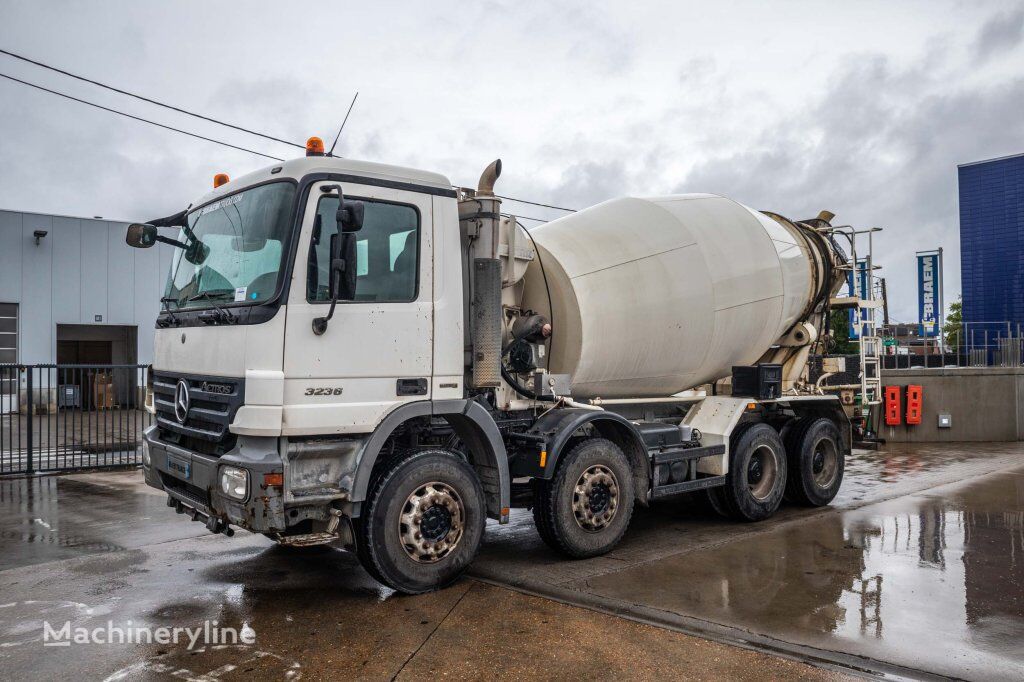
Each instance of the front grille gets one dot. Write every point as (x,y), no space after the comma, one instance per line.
(191,494)
(213,402)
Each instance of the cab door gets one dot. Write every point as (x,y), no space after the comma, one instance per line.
(377,350)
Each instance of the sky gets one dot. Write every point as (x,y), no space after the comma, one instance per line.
(862,108)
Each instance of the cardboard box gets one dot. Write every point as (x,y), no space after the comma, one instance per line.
(103,391)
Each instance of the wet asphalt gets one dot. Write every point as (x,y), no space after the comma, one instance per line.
(916,570)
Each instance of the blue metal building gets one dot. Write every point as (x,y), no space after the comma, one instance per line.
(992,244)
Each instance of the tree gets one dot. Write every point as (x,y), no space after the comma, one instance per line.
(954,328)
(841,342)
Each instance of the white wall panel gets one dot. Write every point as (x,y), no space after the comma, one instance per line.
(94,271)
(149,278)
(67,270)
(120,276)
(37,331)
(10,256)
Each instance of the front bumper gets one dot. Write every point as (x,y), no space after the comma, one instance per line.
(194,480)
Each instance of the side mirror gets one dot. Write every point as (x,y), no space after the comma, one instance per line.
(343,254)
(141,235)
(350,216)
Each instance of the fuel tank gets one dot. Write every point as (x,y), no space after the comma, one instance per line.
(652,296)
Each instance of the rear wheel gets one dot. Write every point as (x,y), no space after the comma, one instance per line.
(423,522)
(816,461)
(757,473)
(585,509)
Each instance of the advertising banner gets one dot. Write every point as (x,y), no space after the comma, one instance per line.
(929,292)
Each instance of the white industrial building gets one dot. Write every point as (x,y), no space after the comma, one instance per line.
(72,291)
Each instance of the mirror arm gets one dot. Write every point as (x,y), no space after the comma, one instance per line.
(320,323)
(172,242)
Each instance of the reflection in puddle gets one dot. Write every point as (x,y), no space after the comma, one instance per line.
(935,581)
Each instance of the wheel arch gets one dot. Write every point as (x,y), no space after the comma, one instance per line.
(558,427)
(472,424)
(830,408)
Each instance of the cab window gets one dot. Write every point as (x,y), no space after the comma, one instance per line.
(386,252)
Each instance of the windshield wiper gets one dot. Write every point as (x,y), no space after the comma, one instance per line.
(218,314)
(172,318)
(209,294)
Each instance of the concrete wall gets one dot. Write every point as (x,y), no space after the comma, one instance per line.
(80,271)
(986,404)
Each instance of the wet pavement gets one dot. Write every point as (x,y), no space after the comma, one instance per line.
(97,549)
(916,570)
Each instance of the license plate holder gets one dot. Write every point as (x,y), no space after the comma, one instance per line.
(179,467)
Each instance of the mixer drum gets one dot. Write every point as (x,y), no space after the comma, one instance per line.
(652,296)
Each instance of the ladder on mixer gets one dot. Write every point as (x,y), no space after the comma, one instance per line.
(870,352)
(865,318)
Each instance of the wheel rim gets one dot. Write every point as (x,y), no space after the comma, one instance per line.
(762,472)
(432,522)
(825,463)
(595,499)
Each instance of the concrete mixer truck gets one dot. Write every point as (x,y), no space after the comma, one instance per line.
(361,355)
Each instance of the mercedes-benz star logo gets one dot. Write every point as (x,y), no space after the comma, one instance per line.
(181,401)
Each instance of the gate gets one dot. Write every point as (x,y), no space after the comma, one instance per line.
(71,417)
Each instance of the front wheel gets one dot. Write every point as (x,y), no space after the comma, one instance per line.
(423,522)
(585,509)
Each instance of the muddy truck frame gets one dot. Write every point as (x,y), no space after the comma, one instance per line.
(363,355)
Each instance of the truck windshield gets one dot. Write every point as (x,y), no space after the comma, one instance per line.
(236,247)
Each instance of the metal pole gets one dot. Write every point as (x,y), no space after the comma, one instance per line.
(31,419)
(942,299)
(885,304)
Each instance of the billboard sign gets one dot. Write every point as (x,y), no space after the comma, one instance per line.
(929,292)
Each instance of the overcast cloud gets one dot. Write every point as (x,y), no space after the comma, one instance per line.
(862,108)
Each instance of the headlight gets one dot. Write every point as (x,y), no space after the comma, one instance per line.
(145,454)
(234,482)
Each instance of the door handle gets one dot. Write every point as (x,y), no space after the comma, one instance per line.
(411,387)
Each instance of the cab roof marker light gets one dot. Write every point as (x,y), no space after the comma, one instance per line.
(314,146)
(220,179)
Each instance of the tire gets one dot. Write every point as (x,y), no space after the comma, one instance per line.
(816,462)
(715,502)
(422,523)
(582,524)
(757,473)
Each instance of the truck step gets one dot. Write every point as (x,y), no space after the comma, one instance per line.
(687,486)
(677,454)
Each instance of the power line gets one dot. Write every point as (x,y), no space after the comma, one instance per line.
(534,203)
(525,217)
(136,118)
(150,101)
(202,117)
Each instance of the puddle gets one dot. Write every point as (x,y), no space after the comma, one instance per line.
(933,581)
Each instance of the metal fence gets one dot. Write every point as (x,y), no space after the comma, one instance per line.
(977,344)
(69,417)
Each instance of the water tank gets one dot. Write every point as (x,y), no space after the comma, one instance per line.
(652,296)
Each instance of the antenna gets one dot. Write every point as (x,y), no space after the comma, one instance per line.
(338,136)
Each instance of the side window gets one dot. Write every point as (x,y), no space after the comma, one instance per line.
(386,252)
(8,335)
